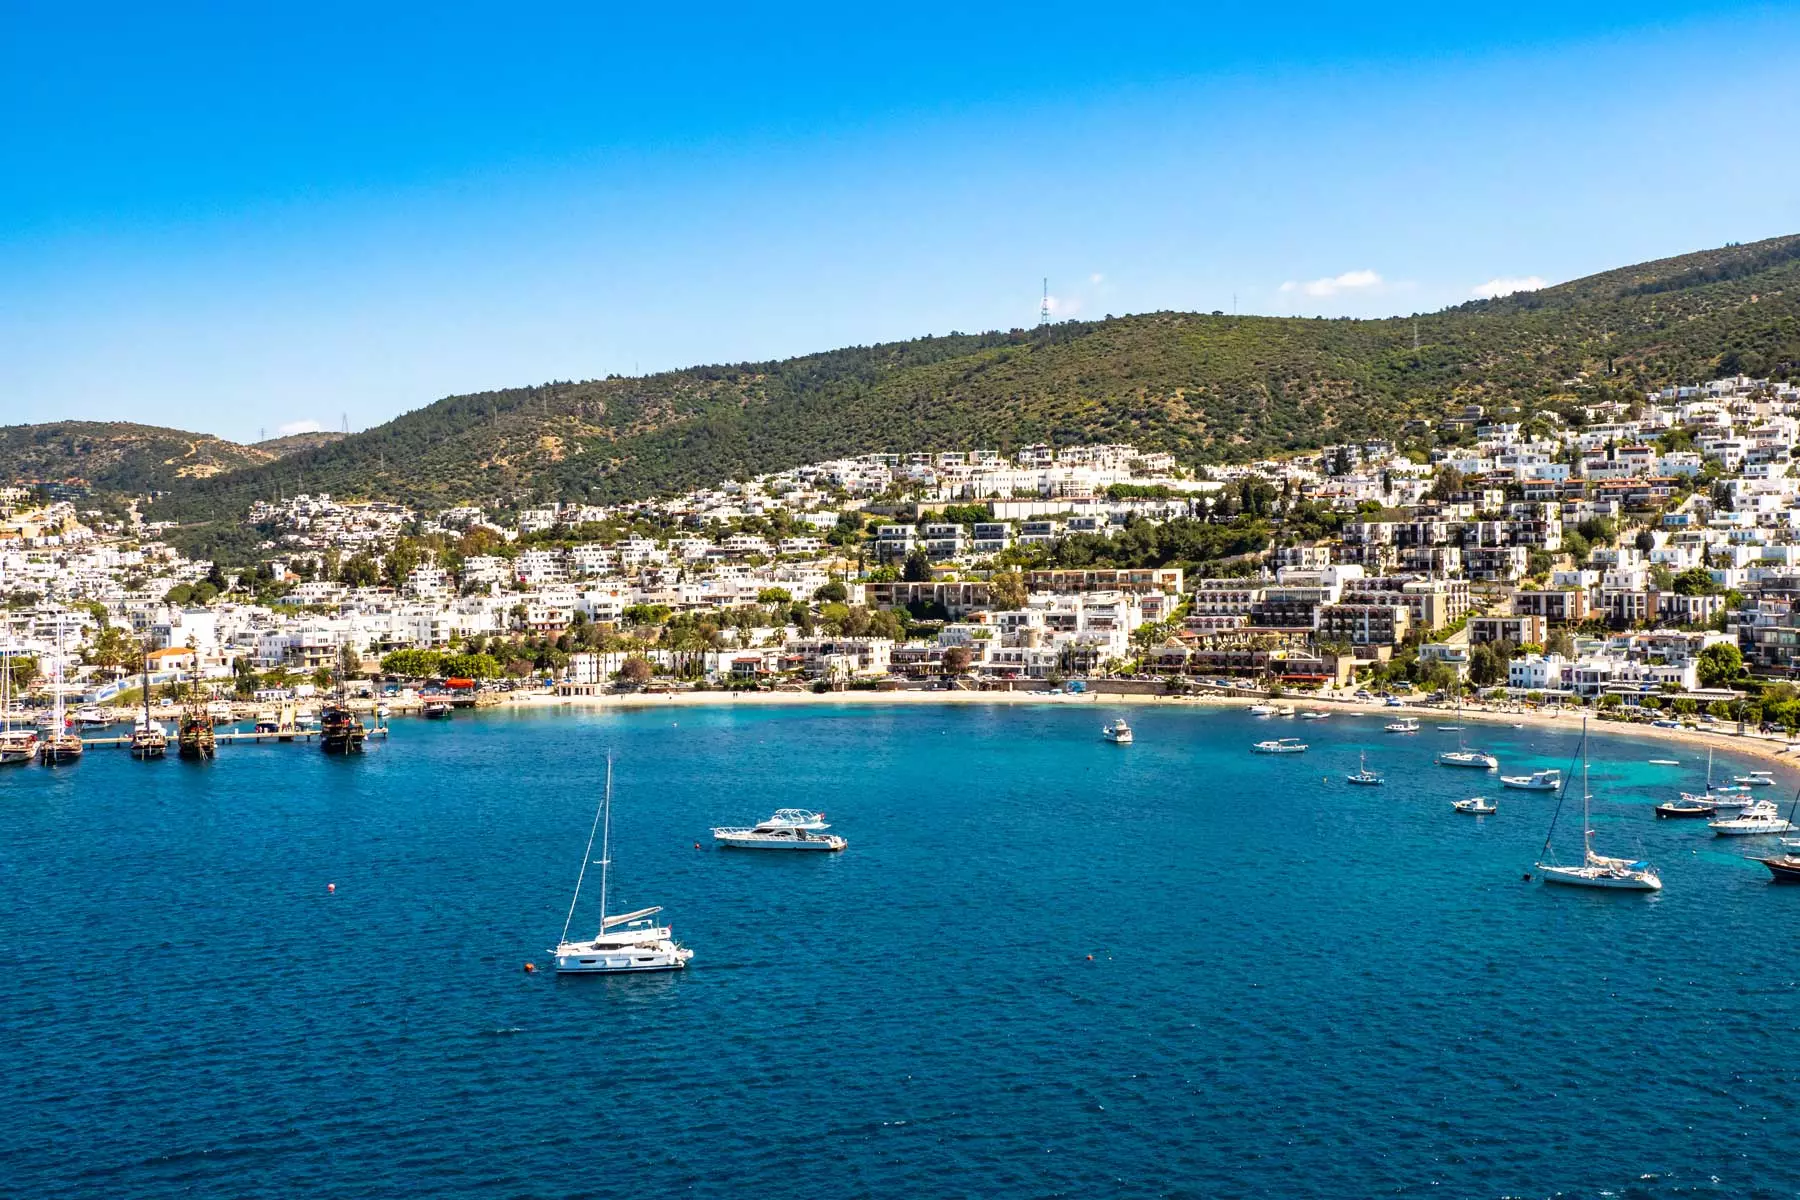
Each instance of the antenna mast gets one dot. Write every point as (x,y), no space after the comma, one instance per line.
(1044,308)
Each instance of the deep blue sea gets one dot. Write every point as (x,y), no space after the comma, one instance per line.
(1296,987)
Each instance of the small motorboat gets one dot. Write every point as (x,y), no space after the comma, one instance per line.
(1313,714)
(1448,728)
(1664,762)
(1280,746)
(1364,777)
(1118,732)
(1479,806)
(1404,725)
(1754,779)
(1537,781)
(1784,868)
(1687,806)
(1263,710)
(437,710)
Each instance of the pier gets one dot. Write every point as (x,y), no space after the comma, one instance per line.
(235,735)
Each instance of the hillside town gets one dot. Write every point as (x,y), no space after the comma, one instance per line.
(1637,555)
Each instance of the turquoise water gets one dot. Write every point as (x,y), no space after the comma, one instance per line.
(1296,987)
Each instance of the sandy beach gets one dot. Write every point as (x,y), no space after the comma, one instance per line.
(1773,748)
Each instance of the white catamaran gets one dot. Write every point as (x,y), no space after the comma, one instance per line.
(628,943)
(1596,870)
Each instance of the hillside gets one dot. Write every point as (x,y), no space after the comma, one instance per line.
(294,443)
(118,456)
(1206,387)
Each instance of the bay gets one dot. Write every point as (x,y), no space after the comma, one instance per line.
(1046,965)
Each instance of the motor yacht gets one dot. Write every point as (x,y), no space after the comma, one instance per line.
(1761,817)
(90,716)
(1280,746)
(628,943)
(1364,777)
(1480,806)
(1595,870)
(1117,732)
(787,829)
(1537,781)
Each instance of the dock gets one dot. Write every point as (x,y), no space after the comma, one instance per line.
(235,735)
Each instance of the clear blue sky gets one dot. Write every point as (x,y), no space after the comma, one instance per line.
(253,217)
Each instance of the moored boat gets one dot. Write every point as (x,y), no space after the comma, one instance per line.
(1686,806)
(1468,758)
(1480,806)
(1783,868)
(1595,870)
(1403,725)
(1537,781)
(1363,776)
(1755,820)
(1280,746)
(771,835)
(629,943)
(1117,732)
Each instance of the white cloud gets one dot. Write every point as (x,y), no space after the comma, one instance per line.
(1096,277)
(1349,281)
(1063,306)
(1507,285)
(299,427)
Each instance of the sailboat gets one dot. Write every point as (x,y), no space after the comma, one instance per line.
(60,746)
(148,740)
(1595,870)
(628,943)
(1364,776)
(16,745)
(1462,756)
(194,736)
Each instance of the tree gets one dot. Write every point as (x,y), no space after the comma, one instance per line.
(1645,541)
(1695,581)
(1008,589)
(776,595)
(1686,706)
(1719,664)
(957,660)
(636,670)
(1486,668)
(917,568)
(1559,642)
(833,592)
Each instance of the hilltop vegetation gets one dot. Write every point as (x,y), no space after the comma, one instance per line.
(1208,388)
(117,456)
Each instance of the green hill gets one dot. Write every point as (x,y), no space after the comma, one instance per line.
(1206,387)
(117,456)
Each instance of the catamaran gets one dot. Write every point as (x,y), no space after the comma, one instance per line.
(1595,870)
(628,943)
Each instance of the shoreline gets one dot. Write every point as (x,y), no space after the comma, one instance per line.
(1772,748)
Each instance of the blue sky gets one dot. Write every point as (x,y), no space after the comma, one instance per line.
(246,218)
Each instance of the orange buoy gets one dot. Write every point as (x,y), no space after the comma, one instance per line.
(530,968)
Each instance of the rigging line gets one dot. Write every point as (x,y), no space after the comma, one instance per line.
(1563,791)
(584,866)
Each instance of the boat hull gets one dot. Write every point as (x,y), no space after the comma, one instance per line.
(1592,877)
(1782,872)
(826,845)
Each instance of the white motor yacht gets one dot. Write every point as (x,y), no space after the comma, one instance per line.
(1280,746)
(1118,732)
(629,943)
(767,836)
(1537,781)
(1759,818)
(1480,806)
(1596,870)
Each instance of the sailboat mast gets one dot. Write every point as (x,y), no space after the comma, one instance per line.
(606,842)
(1587,830)
(588,854)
